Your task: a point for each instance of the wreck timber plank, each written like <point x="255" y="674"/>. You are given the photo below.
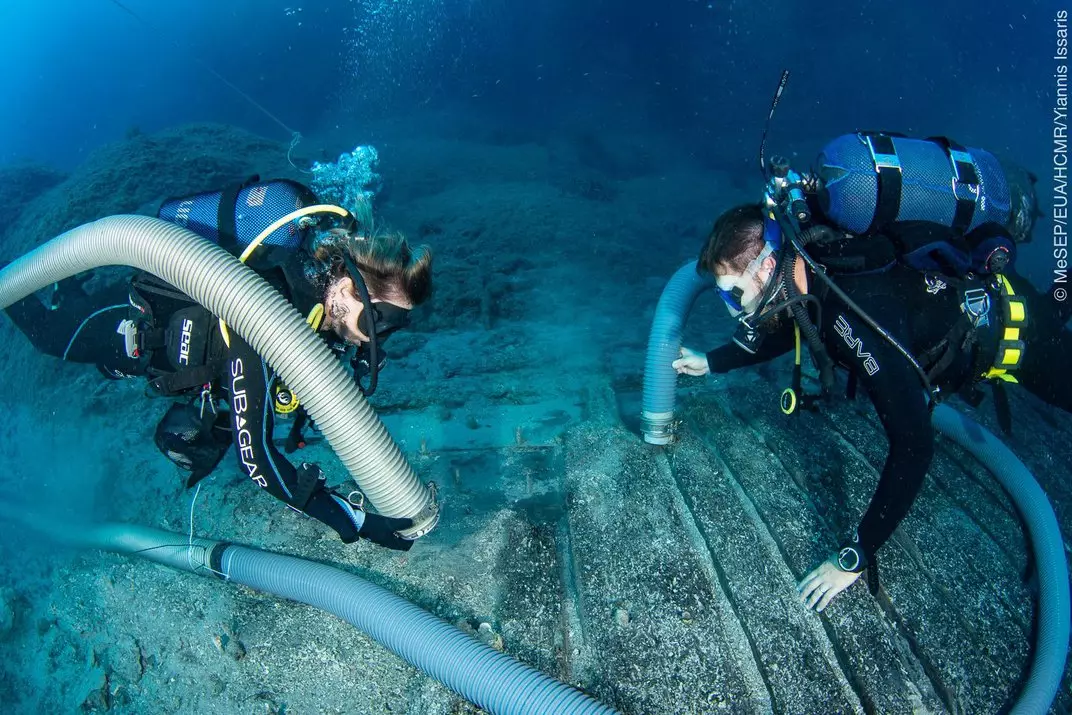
<point x="929" y="611"/>
<point x="873" y="656"/>
<point x="654" y="623"/>
<point x="797" y="659"/>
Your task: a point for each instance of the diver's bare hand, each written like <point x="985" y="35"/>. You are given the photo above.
<point x="691" y="362"/>
<point x="819" y="587"/>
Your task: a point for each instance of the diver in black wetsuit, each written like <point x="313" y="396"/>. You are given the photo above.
<point x="922" y="312"/>
<point x="151" y="330"/>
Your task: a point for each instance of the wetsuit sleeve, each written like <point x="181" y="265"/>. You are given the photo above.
<point x="898" y="396"/>
<point x="250" y="382"/>
<point x="732" y="356"/>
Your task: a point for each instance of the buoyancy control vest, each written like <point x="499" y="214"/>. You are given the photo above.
<point x="178" y="337"/>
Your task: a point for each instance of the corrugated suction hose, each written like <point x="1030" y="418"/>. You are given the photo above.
<point x="258" y="313"/>
<point x="482" y="675"/>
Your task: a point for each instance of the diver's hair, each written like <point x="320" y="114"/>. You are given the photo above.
<point x="387" y="262"/>
<point x="735" y="240"/>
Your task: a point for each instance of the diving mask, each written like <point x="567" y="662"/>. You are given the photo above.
<point x="748" y="310"/>
<point x="386" y="319"/>
<point x="733" y="288"/>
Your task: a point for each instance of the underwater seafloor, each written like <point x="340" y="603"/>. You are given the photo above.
<point x="660" y="580"/>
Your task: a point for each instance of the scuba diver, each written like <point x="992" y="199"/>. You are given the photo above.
<point x="355" y="289"/>
<point x="906" y="300"/>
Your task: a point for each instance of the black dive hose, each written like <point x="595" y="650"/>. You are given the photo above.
<point x="374" y="343"/>
<point x="810" y="331"/>
<point x="788" y="305"/>
<point x="813" y="234"/>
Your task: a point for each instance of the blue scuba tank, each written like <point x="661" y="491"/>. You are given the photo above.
<point x="234" y="217"/>
<point x="871" y="182"/>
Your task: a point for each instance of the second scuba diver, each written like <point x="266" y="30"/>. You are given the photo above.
<point x="356" y="290"/>
<point x="900" y="324"/>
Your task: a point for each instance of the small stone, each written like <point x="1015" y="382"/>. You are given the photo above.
<point x="236" y="649"/>
<point x="621" y="616"/>
<point x="489" y="637"/>
<point x="229" y="645"/>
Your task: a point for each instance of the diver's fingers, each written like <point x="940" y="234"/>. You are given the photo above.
<point x="684" y="368"/>
<point x="827" y="598"/>
<point x="808" y="584"/>
<point x="817" y="594"/>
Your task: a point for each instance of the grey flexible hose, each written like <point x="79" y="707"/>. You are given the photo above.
<point x="1051" y="647"/>
<point x="664" y="341"/>
<point x="490" y="679"/>
<point x="482" y="675"/>
<point x="258" y="313"/>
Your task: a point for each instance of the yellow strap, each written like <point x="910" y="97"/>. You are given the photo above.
<point x="278" y="223"/>
<point x="1017" y="311"/>
<point x="1010" y="332"/>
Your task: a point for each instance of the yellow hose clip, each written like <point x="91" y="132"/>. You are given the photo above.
<point x="789" y="400"/>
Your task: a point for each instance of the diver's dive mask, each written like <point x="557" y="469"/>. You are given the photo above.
<point x="732" y="290"/>
<point x="386" y="318"/>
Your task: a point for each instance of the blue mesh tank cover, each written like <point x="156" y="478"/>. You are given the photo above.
<point x="235" y="216"/>
<point x="871" y="180"/>
<point x="876" y="183"/>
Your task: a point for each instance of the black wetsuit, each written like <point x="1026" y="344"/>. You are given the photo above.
<point x="900" y="302"/>
<point x="83" y="328"/>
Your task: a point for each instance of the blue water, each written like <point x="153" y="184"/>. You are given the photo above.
<point x="80" y="73"/>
